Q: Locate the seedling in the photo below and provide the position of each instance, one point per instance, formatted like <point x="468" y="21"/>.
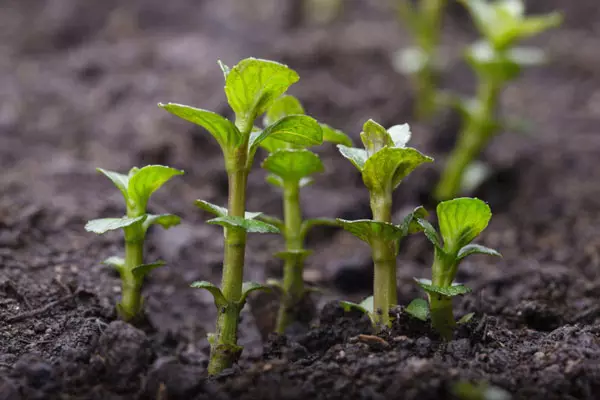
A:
<point x="461" y="221"/>
<point x="251" y="88"/>
<point x="136" y="187"/>
<point x="291" y="167"/>
<point x="384" y="163"/>
<point x="423" y="20"/>
<point x="496" y="60"/>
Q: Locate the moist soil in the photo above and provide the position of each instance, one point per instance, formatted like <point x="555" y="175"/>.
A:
<point x="78" y="90"/>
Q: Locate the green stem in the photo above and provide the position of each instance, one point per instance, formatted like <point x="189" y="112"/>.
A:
<point x="475" y="135"/>
<point x="130" y="306"/>
<point x="293" y="282"/>
<point x="384" y="254"/>
<point x="440" y="306"/>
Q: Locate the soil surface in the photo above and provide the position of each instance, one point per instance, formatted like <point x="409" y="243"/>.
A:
<point x="79" y="85"/>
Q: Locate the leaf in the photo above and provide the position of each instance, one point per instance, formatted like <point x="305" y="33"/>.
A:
<point x="274" y="180"/>
<point x="222" y="211"/>
<point x="253" y="85"/>
<point x="490" y="63"/>
<point x="400" y="134"/>
<point x="384" y="170"/>
<point x="365" y="306"/>
<point x="335" y="136"/>
<point x="249" y="287"/>
<point x="249" y="225"/>
<point x="104" y="225"/>
<point x="141" y="271"/>
<point x="220" y="300"/>
<point x="120" y="181"/>
<point x="224" y="131"/>
<point x="430" y="232"/>
<point x="531" y="26"/>
<point x="357" y="156"/>
<point x="224" y="68"/>
<point x="465" y="318"/>
<point x="293" y="165"/>
<point x="117" y="263"/>
<point x="375" y="137"/>
<point x="298" y="130"/>
<point x="455" y="290"/>
<point x="282" y="107"/>
<point x="308" y="224"/>
<point x="419" y="309"/>
<point x="368" y="230"/>
<point x="476" y="249"/>
<point x="306" y="181"/>
<point x="410" y="224"/>
<point x="269" y="219"/>
<point x="462" y="220"/>
<point x="147" y="180"/>
<point x="165" y="220"/>
<point x="411" y="60"/>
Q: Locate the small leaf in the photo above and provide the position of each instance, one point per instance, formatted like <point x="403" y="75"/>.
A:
<point x="350" y="306"/>
<point x="332" y="135"/>
<point x="375" y="137"/>
<point x="249" y="287"/>
<point x="410" y="223"/>
<point x="120" y="181"/>
<point x="220" y="300"/>
<point x="419" y="309"/>
<point x="476" y="249"/>
<point x="221" y="211"/>
<point x="293" y="165"/>
<point x="384" y="170"/>
<point x="269" y="219"/>
<point x="430" y="232"/>
<point x="400" y="134"/>
<point x="306" y="181"/>
<point x="253" y="85"/>
<point x="465" y="318"/>
<point x="308" y="224"/>
<point x="141" y="271"/>
<point x="462" y="220"/>
<point x="104" y="225"/>
<point x="224" y="68"/>
<point x="367" y="304"/>
<point x="282" y="107"/>
<point x="165" y="220"/>
<point x="274" y="180"/>
<point x="275" y="283"/>
<point x="117" y="263"/>
<point x="298" y="130"/>
<point x="249" y="225"/>
<point x="147" y="180"/>
<point x="224" y="131"/>
<point x="368" y="230"/>
<point x="357" y="156"/>
<point x="455" y="290"/>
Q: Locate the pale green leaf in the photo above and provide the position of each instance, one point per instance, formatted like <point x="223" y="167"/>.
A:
<point x="384" y="170"/>
<point x="282" y="107"/>
<point x="306" y="181"/>
<point x="419" y="309"/>
<point x="252" y="85"/>
<point x="298" y="130"/>
<point x="224" y="131"/>
<point x="335" y="136"/>
<point x="221" y="211"/>
<point x="400" y="134"/>
<point x="531" y="26"/>
<point x="141" y="271"/>
<point x="430" y="232"/>
<point x="374" y="137"/>
<point x="465" y="318"/>
<point x="249" y="287"/>
<point x="462" y="220"/>
<point x="293" y="165"/>
<point x="147" y="180"/>
<point x="165" y="220"/>
<point x="249" y="225"/>
<point x="104" y="225"/>
<point x="117" y="263"/>
<point x="476" y="249"/>
<point x="368" y="304"/>
<point x="120" y="181"/>
<point x="220" y="300"/>
<point x="365" y="306"/>
<point x="224" y="68"/>
<point x="271" y="220"/>
<point x="357" y="156"/>
<point x="455" y="290"/>
<point x="368" y="230"/>
<point x="410" y="224"/>
<point x="274" y="180"/>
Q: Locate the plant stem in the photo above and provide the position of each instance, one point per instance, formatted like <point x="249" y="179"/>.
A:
<point x="384" y="254"/>
<point x="293" y="282"/>
<point x="440" y="306"/>
<point x="475" y="135"/>
<point x="131" y="297"/>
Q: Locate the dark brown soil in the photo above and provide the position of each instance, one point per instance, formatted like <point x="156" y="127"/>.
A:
<point x="79" y="85"/>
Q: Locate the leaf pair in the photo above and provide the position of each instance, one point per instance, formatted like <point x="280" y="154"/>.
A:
<point x="248" y="223"/>
<point x="219" y="298"/>
<point x="139" y="271"/>
<point x="502" y="65"/>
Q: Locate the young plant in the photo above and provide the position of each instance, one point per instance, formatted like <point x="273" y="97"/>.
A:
<point x="384" y="163"/>
<point x="496" y="60"/>
<point x="461" y="221"/>
<point x="290" y="167"/>
<point x="423" y="20"/>
<point x="251" y="88"/>
<point x="136" y="187"/>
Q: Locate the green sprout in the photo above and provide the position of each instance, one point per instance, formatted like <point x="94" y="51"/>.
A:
<point x="496" y="60"/>
<point x="384" y="163"/>
<point x="421" y="62"/>
<point x="461" y="221"/>
<point x="136" y="187"/>
<point x="251" y="88"/>
<point x="290" y="168"/>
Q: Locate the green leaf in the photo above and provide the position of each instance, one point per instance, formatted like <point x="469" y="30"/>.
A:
<point x="491" y="64"/>
<point x="368" y="230"/>
<point x="282" y="107"/>
<point x="400" y="134"/>
<point x="384" y="170"/>
<point x="147" y="180"/>
<point x="120" y="181"/>
<point x="220" y="300"/>
<point x="224" y="131"/>
<point x="298" y="130"/>
<point x="419" y="309"/>
<point x="375" y="137"/>
<point x="293" y="255"/>
<point x="462" y="220"/>
<point x="249" y="225"/>
<point x="293" y="165"/>
<point x="141" y="271"/>
<point x="357" y="156"/>
<point x="476" y="249"/>
<point x="365" y="306"/>
<point x="332" y="135"/>
<point x="117" y="263"/>
<point x="465" y="318"/>
<point x="222" y="211"/>
<point x="224" y="68"/>
<point x="269" y="219"/>
<point x="455" y="290"/>
<point x="249" y="287"/>
<point x="253" y="85"/>
<point x="308" y="224"/>
<point x="104" y="225"/>
<point x="531" y="26"/>
<point x="410" y="224"/>
<point x="165" y="220"/>
<point x="430" y="232"/>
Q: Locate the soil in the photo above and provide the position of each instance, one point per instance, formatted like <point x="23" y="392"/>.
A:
<point x="78" y="90"/>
